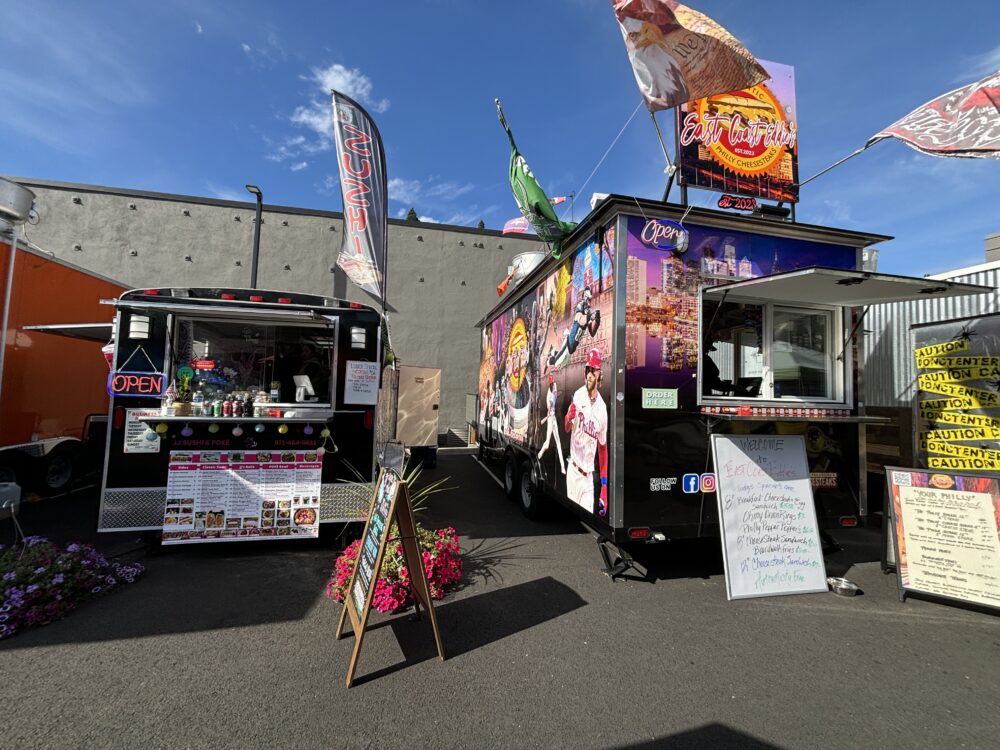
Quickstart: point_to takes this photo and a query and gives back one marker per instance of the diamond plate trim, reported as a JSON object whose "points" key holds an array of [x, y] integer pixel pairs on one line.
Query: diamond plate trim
{"points": [[141, 508]]}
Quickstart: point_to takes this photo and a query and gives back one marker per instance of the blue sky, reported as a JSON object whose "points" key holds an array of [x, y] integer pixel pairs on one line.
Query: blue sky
{"points": [[200, 97]]}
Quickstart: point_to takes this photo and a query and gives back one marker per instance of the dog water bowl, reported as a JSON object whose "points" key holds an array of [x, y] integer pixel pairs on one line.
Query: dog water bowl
{"points": [[842, 586]]}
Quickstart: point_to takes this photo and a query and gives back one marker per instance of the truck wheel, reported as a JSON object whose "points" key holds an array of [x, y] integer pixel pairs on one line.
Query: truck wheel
{"points": [[58, 470], [511, 478], [530, 495]]}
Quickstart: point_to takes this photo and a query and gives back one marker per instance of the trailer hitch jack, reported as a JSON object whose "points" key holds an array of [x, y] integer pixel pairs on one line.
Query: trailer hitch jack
{"points": [[617, 561]]}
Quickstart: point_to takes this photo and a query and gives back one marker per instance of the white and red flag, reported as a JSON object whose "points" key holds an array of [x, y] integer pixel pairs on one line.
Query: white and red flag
{"points": [[963, 122], [679, 54]]}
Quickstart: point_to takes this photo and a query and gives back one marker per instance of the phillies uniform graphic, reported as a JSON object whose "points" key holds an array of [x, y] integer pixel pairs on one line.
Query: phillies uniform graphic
{"points": [[551, 431], [587, 422]]}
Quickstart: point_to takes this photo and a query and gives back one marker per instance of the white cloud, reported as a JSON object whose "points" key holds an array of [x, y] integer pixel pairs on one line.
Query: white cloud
{"points": [[246, 48], [983, 65], [198, 29], [429, 219], [404, 191], [299, 166], [315, 116], [225, 193]]}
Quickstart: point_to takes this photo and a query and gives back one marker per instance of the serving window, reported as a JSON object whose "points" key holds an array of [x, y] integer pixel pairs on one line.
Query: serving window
{"points": [[252, 362], [772, 352]]}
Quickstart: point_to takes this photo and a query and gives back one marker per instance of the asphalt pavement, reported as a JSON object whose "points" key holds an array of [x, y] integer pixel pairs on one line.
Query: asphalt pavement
{"points": [[232, 645]]}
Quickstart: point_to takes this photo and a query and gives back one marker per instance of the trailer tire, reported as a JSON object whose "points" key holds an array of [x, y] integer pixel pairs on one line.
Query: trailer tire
{"points": [[511, 476], [530, 495], [58, 470]]}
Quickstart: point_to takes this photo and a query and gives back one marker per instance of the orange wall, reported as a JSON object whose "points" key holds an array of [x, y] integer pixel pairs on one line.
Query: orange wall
{"points": [[51, 383]]}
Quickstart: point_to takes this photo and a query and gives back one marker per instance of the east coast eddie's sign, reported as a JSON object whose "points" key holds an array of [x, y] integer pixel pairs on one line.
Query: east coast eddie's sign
{"points": [[743, 141]]}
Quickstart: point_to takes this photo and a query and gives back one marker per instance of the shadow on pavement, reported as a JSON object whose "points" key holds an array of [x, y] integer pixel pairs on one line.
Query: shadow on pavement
{"points": [[471, 623], [715, 736]]}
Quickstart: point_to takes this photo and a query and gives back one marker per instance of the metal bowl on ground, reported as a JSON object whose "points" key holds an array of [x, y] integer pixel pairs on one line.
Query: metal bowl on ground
{"points": [[843, 587]]}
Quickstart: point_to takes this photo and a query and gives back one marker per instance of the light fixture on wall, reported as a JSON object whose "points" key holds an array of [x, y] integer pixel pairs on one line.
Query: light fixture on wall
{"points": [[138, 327]]}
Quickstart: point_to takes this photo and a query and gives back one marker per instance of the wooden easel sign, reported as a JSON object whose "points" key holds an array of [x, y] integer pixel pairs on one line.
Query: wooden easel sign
{"points": [[391, 502]]}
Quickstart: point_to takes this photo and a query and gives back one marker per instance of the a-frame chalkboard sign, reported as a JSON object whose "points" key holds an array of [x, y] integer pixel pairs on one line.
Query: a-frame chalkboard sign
{"points": [[391, 502]]}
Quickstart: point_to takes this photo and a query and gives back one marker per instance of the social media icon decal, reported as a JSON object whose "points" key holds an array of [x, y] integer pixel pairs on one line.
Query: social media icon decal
{"points": [[708, 482], [690, 483]]}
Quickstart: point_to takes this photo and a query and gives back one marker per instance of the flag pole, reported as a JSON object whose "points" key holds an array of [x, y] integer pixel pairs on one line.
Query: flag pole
{"points": [[835, 164], [671, 168]]}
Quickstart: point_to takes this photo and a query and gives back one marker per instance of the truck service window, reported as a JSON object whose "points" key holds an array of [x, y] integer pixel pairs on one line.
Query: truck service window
{"points": [[239, 359], [768, 352]]}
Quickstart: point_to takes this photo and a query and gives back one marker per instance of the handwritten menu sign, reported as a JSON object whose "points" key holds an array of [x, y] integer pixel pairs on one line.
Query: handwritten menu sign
{"points": [[770, 540], [391, 503], [947, 534], [375, 536], [361, 383], [236, 495]]}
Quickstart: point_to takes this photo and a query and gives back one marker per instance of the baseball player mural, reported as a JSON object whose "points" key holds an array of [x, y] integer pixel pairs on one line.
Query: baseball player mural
{"points": [[551, 422], [587, 422]]}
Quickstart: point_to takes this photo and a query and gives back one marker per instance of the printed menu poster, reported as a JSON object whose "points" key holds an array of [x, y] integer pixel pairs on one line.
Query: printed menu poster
{"points": [[139, 438], [947, 531], [235, 495]]}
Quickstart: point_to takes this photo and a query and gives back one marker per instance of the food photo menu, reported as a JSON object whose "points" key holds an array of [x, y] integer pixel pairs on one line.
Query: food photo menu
{"points": [[236, 495]]}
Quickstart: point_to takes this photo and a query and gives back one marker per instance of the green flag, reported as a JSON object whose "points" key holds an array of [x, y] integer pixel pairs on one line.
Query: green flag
{"points": [[531, 199]]}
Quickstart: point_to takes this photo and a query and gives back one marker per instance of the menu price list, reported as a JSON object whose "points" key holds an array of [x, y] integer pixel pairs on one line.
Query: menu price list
{"points": [[241, 495], [951, 542], [770, 534], [376, 531]]}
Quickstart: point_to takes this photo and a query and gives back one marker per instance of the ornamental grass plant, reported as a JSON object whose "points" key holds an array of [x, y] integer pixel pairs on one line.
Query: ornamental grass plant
{"points": [[41, 581]]}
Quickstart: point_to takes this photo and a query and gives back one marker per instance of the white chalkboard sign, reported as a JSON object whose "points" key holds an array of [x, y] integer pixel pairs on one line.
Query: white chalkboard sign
{"points": [[770, 539]]}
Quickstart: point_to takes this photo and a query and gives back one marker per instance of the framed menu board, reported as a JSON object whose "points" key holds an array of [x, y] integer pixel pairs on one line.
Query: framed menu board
{"points": [[242, 495], [390, 505], [946, 529], [770, 536]]}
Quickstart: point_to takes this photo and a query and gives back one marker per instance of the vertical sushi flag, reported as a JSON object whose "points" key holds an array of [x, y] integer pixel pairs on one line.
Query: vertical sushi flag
{"points": [[963, 122], [363, 187], [679, 54], [531, 199]]}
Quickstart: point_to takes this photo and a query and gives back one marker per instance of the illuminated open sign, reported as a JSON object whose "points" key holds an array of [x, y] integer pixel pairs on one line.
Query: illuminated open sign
{"points": [[136, 384]]}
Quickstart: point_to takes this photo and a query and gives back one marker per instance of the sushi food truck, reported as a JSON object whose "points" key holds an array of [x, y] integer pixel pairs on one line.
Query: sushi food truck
{"points": [[238, 414], [604, 374]]}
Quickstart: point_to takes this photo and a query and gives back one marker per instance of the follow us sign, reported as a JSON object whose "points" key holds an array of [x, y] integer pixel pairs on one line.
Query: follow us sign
{"points": [[692, 483]]}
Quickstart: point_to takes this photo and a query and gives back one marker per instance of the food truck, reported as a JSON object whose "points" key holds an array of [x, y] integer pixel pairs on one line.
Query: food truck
{"points": [[239, 414], [52, 405], [605, 372]]}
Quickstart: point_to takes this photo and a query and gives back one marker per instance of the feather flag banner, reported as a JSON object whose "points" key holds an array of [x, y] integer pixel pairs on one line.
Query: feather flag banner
{"points": [[363, 187]]}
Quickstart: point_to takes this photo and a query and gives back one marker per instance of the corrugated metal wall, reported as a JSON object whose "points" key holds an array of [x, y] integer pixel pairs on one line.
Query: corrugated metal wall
{"points": [[890, 376]]}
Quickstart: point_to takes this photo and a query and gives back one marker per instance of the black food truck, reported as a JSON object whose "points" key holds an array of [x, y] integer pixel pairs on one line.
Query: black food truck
{"points": [[234, 413], [604, 373]]}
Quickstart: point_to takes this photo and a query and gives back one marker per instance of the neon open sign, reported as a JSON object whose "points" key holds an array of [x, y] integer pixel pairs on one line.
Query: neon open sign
{"points": [[664, 234], [136, 384]]}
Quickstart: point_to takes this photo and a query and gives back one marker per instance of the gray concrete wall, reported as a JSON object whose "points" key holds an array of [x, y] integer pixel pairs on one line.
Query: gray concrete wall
{"points": [[992, 247], [440, 282]]}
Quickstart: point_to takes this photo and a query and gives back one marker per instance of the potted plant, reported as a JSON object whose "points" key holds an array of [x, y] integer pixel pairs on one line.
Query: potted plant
{"points": [[182, 401]]}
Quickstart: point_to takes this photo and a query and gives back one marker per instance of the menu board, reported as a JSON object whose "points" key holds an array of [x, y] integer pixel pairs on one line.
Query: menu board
{"points": [[361, 383], [139, 437], [947, 534], [375, 535], [233, 495], [770, 538]]}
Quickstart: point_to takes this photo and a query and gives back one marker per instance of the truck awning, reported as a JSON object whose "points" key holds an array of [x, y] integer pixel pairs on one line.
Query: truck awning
{"points": [[846, 288], [87, 331], [226, 312]]}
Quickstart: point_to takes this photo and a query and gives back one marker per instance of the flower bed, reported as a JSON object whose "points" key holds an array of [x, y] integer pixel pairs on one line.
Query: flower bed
{"points": [[442, 566], [41, 582]]}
